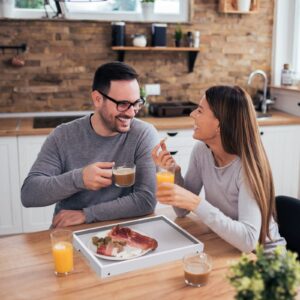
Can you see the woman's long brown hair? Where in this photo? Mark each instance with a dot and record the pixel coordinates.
(234, 109)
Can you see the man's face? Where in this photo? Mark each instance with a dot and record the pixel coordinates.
(112, 120)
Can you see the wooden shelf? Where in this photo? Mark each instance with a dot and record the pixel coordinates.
(192, 52)
(230, 7)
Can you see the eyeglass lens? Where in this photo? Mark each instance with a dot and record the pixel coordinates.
(126, 105)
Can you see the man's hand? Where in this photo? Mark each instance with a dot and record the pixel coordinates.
(68, 218)
(97, 175)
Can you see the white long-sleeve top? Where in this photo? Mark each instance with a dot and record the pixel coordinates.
(229, 208)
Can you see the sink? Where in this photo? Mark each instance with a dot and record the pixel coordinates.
(260, 115)
(52, 122)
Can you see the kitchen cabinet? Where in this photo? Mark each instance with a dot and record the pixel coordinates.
(35, 218)
(10, 209)
(282, 145)
(180, 143)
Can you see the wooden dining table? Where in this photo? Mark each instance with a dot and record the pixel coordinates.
(27, 270)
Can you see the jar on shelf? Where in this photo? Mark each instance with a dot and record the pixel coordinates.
(286, 75)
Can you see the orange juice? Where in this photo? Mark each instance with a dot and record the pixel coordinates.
(164, 176)
(63, 257)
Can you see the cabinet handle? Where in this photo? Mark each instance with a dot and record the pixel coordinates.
(298, 103)
(172, 133)
(261, 133)
(173, 152)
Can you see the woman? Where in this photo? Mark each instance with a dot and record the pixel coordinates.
(231, 165)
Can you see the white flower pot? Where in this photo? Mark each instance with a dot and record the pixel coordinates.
(148, 11)
(243, 5)
(6, 8)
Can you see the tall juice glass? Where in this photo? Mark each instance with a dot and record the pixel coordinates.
(62, 251)
(165, 175)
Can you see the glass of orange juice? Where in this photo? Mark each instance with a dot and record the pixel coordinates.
(165, 175)
(62, 251)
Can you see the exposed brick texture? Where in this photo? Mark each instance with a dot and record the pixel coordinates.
(63, 55)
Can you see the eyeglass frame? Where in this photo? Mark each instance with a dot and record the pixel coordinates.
(141, 101)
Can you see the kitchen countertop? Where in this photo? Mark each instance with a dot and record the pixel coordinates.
(24, 126)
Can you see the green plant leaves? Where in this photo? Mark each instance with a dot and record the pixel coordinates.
(273, 276)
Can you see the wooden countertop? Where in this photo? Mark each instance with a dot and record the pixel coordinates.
(293, 88)
(24, 126)
(26, 271)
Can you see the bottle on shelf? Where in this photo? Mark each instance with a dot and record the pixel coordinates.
(286, 75)
(196, 39)
(190, 39)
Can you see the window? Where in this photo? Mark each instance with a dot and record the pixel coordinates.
(286, 38)
(126, 10)
(28, 9)
(296, 42)
(109, 10)
(35, 4)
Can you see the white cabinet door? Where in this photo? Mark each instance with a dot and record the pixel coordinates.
(10, 204)
(282, 145)
(180, 143)
(36, 218)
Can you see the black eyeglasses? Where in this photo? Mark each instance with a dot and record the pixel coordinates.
(124, 105)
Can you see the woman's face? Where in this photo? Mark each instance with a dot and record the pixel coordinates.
(206, 126)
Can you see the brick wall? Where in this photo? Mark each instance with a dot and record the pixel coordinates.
(62, 57)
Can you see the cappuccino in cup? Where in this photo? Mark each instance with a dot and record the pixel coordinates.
(124, 175)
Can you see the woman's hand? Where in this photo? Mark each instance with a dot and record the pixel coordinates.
(173, 194)
(163, 158)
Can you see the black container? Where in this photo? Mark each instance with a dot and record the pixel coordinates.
(171, 109)
(159, 35)
(118, 33)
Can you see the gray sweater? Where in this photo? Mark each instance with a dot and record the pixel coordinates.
(229, 208)
(56, 175)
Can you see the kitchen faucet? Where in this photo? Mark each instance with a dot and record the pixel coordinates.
(265, 102)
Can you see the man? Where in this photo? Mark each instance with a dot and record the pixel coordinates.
(74, 167)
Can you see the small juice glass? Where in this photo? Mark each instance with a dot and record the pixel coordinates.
(62, 251)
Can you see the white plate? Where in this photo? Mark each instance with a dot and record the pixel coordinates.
(127, 253)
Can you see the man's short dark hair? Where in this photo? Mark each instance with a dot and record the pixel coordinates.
(112, 71)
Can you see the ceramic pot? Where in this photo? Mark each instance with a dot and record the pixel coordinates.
(243, 5)
(148, 9)
(7, 7)
(139, 40)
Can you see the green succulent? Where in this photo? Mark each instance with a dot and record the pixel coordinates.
(143, 92)
(273, 276)
(178, 33)
(147, 1)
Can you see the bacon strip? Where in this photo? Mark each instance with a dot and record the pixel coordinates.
(111, 248)
(106, 249)
(132, 238)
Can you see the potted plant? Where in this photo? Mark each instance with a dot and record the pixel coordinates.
(274, 276)
(147, 9)
(178, 36)
(6, 8)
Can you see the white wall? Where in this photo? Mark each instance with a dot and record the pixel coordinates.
(283, 36)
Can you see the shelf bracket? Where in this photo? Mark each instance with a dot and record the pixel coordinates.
(21, 48)
(192, 55)
(121, 55)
